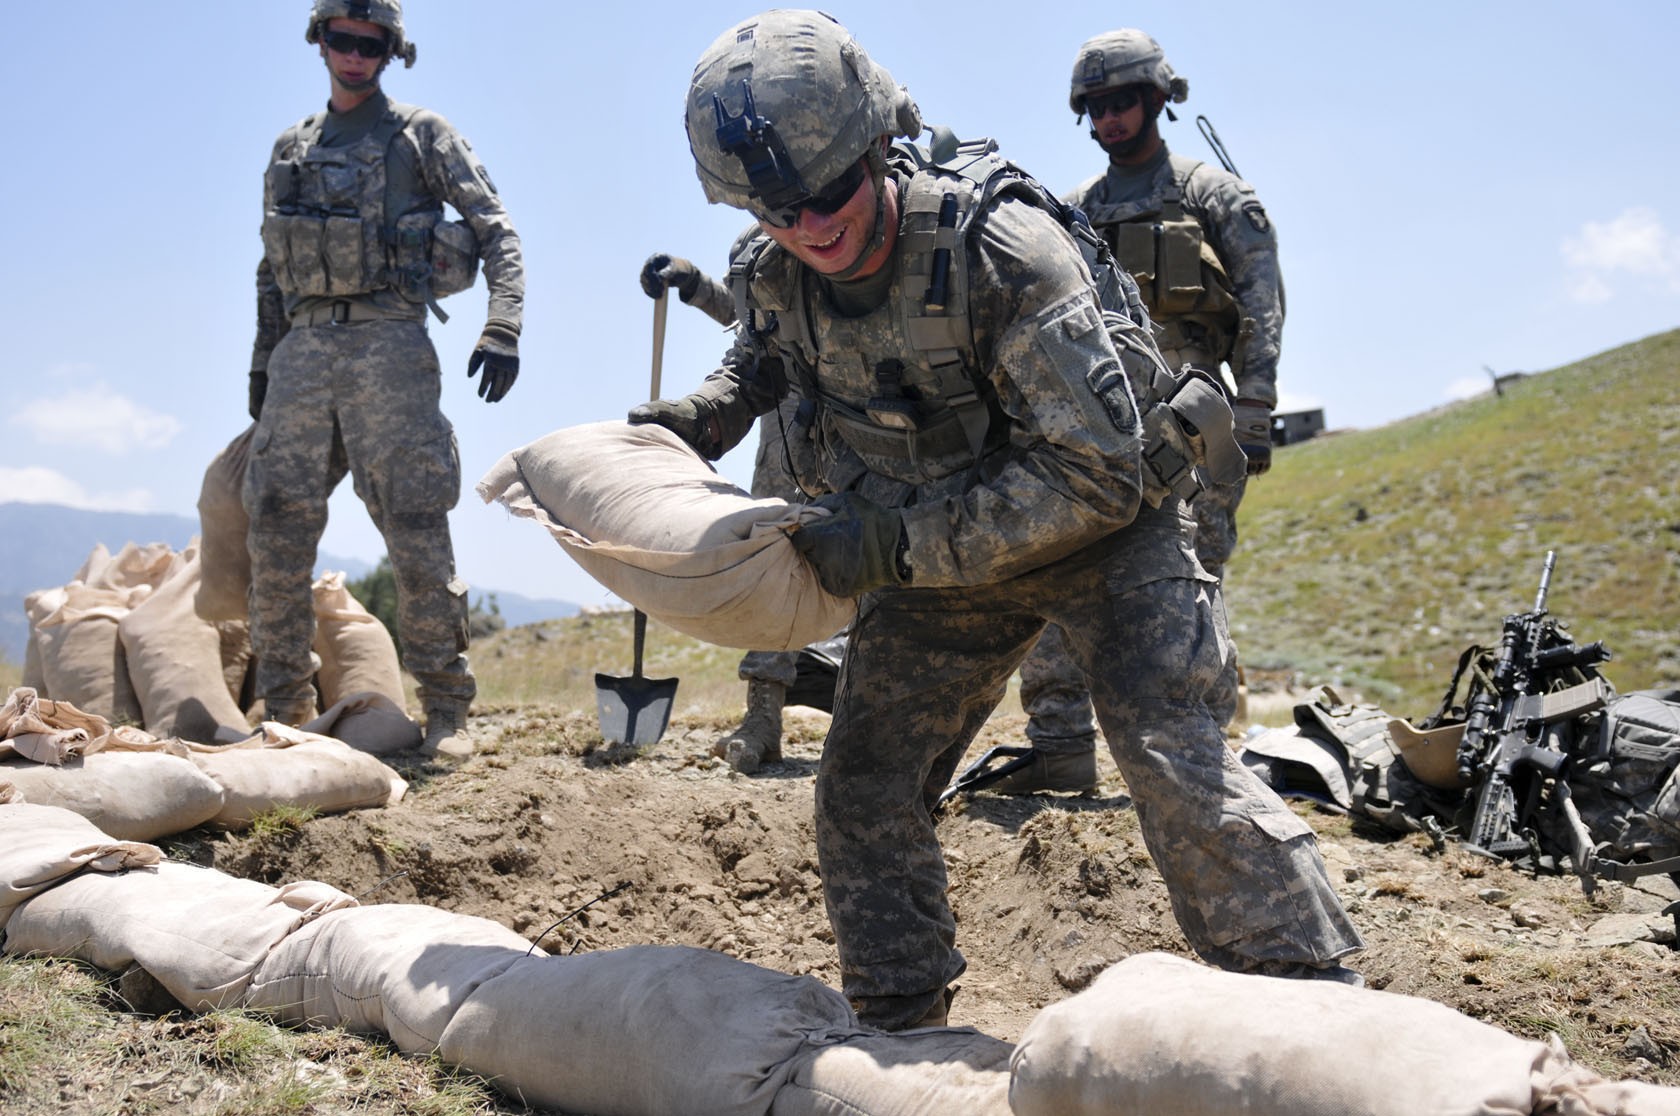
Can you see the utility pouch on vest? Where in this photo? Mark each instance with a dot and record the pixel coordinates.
(1134, 250)
(302, 237)
(454, 258)
(1178, 266)
(341, 254)
(410, 246)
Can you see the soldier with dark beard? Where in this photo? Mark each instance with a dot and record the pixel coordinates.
(1204, 254)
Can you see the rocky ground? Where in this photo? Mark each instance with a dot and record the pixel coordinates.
(578, 848)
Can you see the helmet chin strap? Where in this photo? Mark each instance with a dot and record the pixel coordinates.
(878, 235)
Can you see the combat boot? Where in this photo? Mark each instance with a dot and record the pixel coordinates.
(292, 713)
(1067, 772)
(446, 724)
(758, 740)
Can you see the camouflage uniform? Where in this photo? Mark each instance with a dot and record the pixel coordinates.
(1237, 321)
(1037, 538)
(353, 381)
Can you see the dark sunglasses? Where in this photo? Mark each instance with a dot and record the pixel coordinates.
(1118, 100)
(830, 199)
(365, 45)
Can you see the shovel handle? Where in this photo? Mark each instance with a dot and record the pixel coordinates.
(641, 638)
(660, 305)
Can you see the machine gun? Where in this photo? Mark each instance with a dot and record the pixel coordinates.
(1521, 740)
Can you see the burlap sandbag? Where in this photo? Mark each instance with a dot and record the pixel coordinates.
(132, 796)
(200, 933)
(357, 654)
(42, 846)
(135, 566)
(175, 661)
(1171, 1037)
(32, 675)
(82, 661)
(284, 766)
(368, 722)
(651, 521)
(644, 1030)
(917, 1073)
(399, 969)
(222, 523)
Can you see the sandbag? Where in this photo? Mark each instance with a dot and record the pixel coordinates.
(916, 1073)
(284, 766)
(82, 661)
(136, 566)
(131, 796)
(645, 516)
(1168, 1036)
(644, 1031)
(198, 932)
(368, 722)
(401, 970)
(225, 563)
(32, 675)
(42, 846)
(357, 654)
(175, 660)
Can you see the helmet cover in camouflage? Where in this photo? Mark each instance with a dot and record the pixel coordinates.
(784, 104)
(1116, 59)
(386, 13)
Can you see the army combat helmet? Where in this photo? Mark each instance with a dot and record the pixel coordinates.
(783, 108)
(1116, 59)
(386, 13)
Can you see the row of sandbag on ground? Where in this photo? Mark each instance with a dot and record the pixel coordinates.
(655, 1030)
(135, 786)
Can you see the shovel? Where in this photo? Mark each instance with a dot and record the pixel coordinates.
(637, 709)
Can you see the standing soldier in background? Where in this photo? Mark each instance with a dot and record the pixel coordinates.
(769, 675)
(1204, 254)
(965, 406)
(343, 374)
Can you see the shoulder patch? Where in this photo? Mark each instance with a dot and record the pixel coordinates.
(1256, 214)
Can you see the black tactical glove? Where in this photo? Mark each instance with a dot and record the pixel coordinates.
(1253, 429)
(693, 418)
(858, 548)
(257, 390)
(662, 271)
(497, 352)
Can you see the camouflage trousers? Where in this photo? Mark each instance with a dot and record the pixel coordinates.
(361, 397)
(1054, 693)
(924, 670)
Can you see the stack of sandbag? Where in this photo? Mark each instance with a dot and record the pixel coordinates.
(1162, 1034)
(136, 786)
(75, 653)
(648, 518)
(128, 639)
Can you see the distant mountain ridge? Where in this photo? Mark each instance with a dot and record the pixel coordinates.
(43, 545)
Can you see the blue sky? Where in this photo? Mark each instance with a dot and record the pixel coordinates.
(1454, 185)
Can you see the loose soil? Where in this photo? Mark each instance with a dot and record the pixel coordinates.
(580, 847)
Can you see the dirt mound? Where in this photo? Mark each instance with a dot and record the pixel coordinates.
(579, 849)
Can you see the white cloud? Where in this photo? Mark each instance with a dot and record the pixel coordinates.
(1633, 243)
(1466, 387)
(36, 484)
(96, 419)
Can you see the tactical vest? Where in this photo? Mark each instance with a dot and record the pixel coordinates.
(929, 411)
(325, 232)
(1181, 279)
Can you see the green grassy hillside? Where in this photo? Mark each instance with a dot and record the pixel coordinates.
(1370, 559)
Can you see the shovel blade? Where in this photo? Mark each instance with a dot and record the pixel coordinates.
(634, 710)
